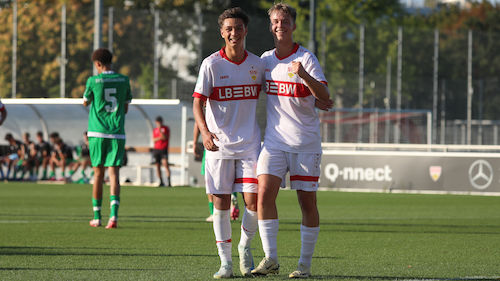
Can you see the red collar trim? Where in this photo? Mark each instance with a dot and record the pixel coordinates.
(293, 52)
(222, 52)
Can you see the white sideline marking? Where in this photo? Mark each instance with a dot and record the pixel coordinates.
(16, 221)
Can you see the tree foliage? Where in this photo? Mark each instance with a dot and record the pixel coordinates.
(338, 32)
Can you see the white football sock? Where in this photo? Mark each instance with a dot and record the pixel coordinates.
(248, 227)
(268, 230)
(308, 237)
(222, 230)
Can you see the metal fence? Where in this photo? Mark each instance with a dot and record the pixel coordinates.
(451, 73)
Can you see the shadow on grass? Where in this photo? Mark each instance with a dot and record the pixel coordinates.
(48, 253)
(79, 269)
(65, 248)
(66, 251)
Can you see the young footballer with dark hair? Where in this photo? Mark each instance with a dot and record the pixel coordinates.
(230, 81)
(108, 95)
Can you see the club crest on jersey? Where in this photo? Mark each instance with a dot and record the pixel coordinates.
(253, 73)
(290, 74)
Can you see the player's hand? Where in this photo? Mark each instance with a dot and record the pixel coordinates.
(297, 68)
(208, 141)
(323, 106)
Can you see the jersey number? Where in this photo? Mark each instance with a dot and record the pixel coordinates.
(112, 99)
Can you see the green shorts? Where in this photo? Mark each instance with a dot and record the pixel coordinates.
(106, 152)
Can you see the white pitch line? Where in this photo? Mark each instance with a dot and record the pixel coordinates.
(16, 221)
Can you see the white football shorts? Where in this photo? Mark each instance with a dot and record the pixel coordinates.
(304, 168)
(225, 176)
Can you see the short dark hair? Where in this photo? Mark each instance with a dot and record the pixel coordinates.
(54, 135)
(9, 136)
(159, 119)
(39, 133)
(285, 8)
(233, 13)
(103, 56)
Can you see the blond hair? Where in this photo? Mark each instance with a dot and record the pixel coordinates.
(285, 8)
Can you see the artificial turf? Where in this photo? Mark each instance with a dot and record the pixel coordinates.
(162, 235)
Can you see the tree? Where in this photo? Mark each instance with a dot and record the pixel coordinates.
(339, 45)
(38, 44)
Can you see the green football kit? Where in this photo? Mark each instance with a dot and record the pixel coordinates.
(107, 93)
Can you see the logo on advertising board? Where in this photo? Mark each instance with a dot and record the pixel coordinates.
(435, 172)
(380, 174)
(480, 174)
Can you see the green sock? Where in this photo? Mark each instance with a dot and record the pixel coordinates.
(44, 174)
(96, 204)
(52, 174)
(63, 173)
(83, 174)
(211, 207)
(114, 204)
(71, 172)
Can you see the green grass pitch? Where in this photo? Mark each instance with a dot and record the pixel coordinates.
(44, 235)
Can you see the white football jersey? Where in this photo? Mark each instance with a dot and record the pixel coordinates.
(292, 120)
(232, 91)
